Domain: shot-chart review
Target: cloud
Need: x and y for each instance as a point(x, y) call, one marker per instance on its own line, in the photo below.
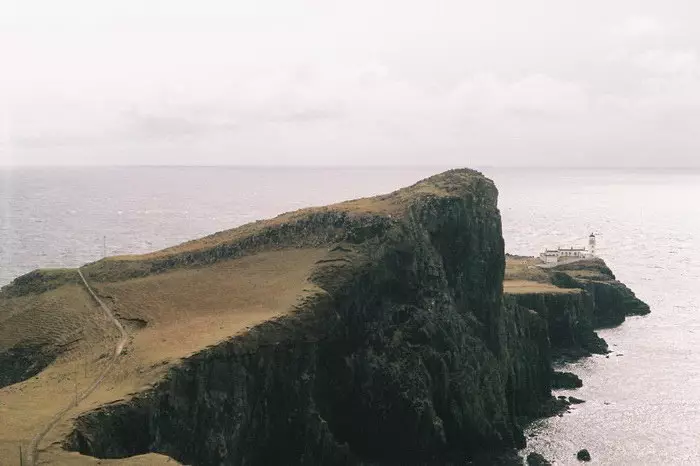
point(536, 95)
point(353, 82)
point(669, 62)
point(639, 27)
point(369, 114)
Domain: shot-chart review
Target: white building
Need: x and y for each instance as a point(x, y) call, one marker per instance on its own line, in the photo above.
point(551, 256)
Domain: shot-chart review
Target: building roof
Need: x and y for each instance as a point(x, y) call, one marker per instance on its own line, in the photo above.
point(565, 249)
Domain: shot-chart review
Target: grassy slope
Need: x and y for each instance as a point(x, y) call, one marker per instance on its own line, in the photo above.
point(524, 276)
point(169, 315)
point(184, 311)
point(388, 204)
point(527, 286)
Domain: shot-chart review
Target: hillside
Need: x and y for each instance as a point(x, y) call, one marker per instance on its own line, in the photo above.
point(370, 331)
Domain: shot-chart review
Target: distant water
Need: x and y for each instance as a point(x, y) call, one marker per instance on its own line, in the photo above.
point(643, 407)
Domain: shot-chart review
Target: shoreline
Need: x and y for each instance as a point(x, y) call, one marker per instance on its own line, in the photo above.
point(408, 280)
point(587, 278)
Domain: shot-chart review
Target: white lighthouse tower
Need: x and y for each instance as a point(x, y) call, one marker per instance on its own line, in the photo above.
point(591, 245)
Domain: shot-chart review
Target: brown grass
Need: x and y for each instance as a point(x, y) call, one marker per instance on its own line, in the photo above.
point(527, 286)
point(63, 318)
point(394, 203)
point(525, 268)
point(185, 310)
point(188, 309)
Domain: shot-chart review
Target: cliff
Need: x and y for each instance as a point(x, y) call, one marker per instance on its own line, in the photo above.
point(575, 298)
point(569, 317)
point(406, 353)
point(373, 331)
point(613, 300)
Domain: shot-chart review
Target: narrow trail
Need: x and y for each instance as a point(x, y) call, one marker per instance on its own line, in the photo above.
point(33, 453)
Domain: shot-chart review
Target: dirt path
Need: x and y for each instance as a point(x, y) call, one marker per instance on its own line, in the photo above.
point(33, 453)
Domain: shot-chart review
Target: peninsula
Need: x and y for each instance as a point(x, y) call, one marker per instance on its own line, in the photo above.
point(384, 330)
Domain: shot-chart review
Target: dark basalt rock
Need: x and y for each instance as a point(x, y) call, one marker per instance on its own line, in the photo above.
point(535, 459)
point(570, 320)
point(583, 455)
point(39, 281)
point(22, 362)
point(565, 380)
point(612, 300)
point(576, 401)
point(410, 355)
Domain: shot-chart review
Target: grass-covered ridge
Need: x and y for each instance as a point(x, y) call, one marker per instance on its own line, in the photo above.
point(180, 300)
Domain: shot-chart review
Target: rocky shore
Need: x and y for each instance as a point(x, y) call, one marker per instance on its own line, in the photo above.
point(575, 298)
point(420, 341)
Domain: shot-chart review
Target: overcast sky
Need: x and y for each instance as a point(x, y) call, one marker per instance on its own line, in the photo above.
point(464, 82)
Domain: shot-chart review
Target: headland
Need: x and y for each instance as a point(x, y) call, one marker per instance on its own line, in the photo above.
point(385, 330)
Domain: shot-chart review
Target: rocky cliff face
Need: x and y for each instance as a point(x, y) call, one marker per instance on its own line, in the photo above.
point(21, 362)
point(586, 296)
point(570, 321)
point(612, 300)
point(34, 324)
point(410, 354)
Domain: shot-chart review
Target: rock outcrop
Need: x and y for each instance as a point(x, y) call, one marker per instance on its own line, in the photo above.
point(583, 455)
point(406, 351)
point(612, 300)
point(565, 380)
point(21, 362)
point(535, 459)
point(409, 354)
point(575, 298)
point(570, 320)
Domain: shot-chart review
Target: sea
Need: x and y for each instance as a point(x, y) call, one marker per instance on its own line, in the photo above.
point(642, 402)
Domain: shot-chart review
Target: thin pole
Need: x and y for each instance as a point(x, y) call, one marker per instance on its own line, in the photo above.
point(104, 246)
point(21, 457)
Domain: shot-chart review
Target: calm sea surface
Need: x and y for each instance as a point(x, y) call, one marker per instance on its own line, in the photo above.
point(643, 403)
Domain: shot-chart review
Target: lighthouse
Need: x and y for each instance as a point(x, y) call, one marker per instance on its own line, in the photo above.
point(591, 245)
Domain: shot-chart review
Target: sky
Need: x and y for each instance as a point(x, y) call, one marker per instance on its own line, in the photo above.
point(380, 82)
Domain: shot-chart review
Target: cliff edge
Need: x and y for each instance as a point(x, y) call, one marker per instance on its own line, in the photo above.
point(373, 331)
point(575, 298)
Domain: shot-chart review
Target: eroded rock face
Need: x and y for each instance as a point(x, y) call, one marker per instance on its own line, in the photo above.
point(612, 300)
point(595, 299)
point(411, 356)
point(565, 380)
point(535, 459)
point(570, 319)
point(23, 361)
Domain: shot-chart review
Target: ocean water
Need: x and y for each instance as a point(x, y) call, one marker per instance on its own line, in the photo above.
point(642, 403)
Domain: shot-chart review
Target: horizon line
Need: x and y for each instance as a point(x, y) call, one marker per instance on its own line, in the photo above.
point(343, 166)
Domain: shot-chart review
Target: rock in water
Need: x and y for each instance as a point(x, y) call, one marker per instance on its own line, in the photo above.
point(583, 455)
point(576, 401)
point(565, 380)
point(535, 459)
